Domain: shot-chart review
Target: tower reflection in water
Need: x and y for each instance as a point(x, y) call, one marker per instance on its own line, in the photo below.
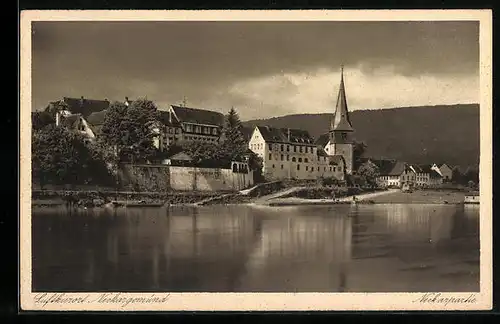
point(240, 248)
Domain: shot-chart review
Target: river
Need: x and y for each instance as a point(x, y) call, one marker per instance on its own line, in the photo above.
point(239, 248)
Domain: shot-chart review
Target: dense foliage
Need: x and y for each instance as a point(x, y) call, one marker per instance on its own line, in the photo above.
point(131, 130)
point(60, 156)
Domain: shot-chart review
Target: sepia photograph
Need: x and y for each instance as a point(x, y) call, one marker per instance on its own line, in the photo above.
point(230, 160)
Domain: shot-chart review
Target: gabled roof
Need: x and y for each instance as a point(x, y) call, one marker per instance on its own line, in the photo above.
point(166, 120)
point(198, 116)
point(285, 135)
point(434, 174)
point(70, 121)
point(323, 139)
point(96, 118)
point(84, 106)
point(321, 152)
point(422, 168)
point(247, 132)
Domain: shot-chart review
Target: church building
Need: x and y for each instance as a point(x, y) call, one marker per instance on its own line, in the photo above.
point(292, 153)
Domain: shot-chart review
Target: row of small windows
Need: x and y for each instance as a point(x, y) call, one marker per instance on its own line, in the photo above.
point(203, 139)
point(282, 148)
point(201, 129)
point(389, 177)
point(300, 149)
point(294, 159)
point(173, 130)
point(334, 169)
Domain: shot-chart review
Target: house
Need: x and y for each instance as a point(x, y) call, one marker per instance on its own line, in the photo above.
point(195, 124)
point(171, 130)
point(444, 170)
point(390, 172)
point(95, 121)
point(77, 123)
point(292, 154)
point(75, 106)
point(426, 175)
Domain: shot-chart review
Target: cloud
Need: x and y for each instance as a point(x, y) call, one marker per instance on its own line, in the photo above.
point(316, 92)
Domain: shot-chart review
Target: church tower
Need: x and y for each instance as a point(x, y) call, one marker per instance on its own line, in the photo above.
point(341, 130)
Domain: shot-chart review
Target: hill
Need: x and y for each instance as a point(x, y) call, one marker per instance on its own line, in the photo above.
point(424, 134)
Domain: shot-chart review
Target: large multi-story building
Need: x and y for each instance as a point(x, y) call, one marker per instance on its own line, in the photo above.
point(293, 153)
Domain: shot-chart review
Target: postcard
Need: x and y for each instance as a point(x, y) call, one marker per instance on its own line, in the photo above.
point(256, 160)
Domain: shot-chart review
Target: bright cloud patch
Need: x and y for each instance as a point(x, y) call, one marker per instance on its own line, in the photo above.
point(316, 92)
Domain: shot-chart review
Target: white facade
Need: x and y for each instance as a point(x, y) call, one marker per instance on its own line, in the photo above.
point(389, 180)
point(292, 160)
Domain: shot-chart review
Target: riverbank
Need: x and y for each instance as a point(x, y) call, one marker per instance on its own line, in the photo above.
point(392, 196)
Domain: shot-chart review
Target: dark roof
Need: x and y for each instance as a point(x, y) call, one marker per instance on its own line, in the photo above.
point(96, 118)
point(384, 166)
point(247, 132)
point(434, 174)
point(323, 139)
point(198, 116)
point(336, 159)
point(286, 135)
point(165, 119)
point(321, 152)
point(85, 106)
point(70, 121)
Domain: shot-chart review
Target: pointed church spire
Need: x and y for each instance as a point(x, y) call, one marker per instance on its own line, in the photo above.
point(341, 121)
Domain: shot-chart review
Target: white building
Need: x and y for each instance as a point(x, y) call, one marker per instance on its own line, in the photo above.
point(292, 154)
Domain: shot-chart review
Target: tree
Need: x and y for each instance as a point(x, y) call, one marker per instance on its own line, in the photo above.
point(456, 175)
point(368, 172)
point(233, 145)
point(359, 148)
point(60, 156)
point(40, 119)
point(131, 130)
point(471, 175)
point(204, 153)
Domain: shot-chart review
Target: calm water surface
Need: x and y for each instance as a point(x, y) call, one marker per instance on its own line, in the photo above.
point(366, 248)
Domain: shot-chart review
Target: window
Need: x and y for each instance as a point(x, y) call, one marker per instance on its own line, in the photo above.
point(282, 167)
point(197, 129)
point(177, 130)
point(306, 160)
point(214, 131)
point(300, 159)
point(330, 168)
point(288, 157)
point(334, 169)
point(270, 156)
point(300, 149)
point(318, 169)
point(188, 128)
point(170, 130)
point(294, 148)
point(282, 147)
point(293, 159)
point(325, 169)
point(307, 168)
point(273, 166)
point(298, 166)
point(282, 158)
point(270, 147)
point(288, 148)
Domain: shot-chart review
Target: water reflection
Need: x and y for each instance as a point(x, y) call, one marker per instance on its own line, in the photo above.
point(242, 248)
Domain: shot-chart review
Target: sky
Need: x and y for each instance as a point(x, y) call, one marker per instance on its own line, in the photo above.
point(262, 69)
